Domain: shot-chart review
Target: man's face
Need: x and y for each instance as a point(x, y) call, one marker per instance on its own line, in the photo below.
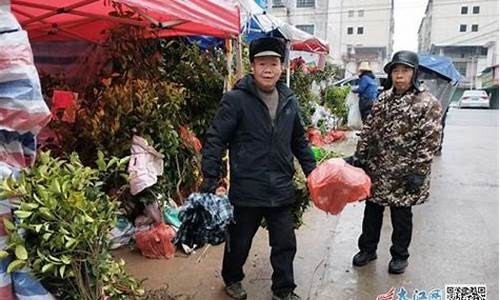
point(401, 76)
point(267, 70)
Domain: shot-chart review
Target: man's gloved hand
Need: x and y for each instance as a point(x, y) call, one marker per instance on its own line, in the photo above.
point(209, 185)
point(354, 161)
point(349, 160)
point(414, 182)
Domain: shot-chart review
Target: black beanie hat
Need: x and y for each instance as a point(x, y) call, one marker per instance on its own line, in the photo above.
point(267, 46)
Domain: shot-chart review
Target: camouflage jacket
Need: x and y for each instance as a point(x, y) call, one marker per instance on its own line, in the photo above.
point(399, 139)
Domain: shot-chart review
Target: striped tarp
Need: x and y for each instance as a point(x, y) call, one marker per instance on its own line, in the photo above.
point(23, 112)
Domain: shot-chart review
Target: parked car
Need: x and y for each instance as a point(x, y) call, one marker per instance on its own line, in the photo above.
point(474, 98)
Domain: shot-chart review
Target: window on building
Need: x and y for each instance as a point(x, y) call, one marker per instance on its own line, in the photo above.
point(350, 13)
point(350, 30)
point(461, 67)
point(361, 30)
point(475, 28)
point(361, 13)
point(306, 3)
point(278, 3)
point(465, 9)
point(475, 10)
point(463, 28)
point(309, 28)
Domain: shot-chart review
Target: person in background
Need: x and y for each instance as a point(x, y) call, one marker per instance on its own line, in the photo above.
point(396, 149)
point(259, 122)
point(367, 89)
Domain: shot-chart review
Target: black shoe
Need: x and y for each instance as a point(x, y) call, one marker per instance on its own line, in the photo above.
point(286, 296)
point(397, 266)
point(363, 257)
point(236, 291)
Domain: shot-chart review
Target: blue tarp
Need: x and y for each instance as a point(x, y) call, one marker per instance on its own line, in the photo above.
point(441, 65)
point(252, 30)
point(205, 42)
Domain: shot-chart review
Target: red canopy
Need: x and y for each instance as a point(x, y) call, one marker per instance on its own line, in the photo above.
point(90, 19)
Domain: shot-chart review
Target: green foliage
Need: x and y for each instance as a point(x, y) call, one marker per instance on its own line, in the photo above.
point(334, 99)
point(201, 73)
point(136, 107)
point(130, 55)
point(302, 85)
point(329, 74)
point(66, 218)
point(149, 88)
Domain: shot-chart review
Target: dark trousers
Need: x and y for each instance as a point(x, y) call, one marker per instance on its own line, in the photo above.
point(365, 107)
point(401, 218)
point(281, 239)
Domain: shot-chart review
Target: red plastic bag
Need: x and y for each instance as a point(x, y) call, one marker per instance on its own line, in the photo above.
point(335, 183)
point(66, 101)
point(314, 136)
point(156, 242)
point(333, 136)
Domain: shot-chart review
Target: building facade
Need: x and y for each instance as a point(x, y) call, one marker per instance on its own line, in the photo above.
point(466, 31)
point(356, 30)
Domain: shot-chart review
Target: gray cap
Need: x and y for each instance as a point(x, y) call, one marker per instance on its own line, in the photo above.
point(267, 53)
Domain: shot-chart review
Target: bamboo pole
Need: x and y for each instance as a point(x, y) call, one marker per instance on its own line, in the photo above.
point(239, 59)
point(229, 80)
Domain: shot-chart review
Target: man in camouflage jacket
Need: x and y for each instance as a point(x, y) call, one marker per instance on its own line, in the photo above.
point(396, 149)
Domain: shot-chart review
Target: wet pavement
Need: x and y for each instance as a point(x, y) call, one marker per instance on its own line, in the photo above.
point(198, 276)
point(455, 238)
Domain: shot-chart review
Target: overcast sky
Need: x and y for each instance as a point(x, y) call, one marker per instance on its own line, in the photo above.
point(407, 17)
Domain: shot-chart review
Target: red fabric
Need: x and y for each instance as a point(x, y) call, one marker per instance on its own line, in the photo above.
point(16, 159)
point(15, 54)
point(22, 121)
point(6, 292)
point(156, 242)
point(335, 183)
point(311, 45)
point(93, 20)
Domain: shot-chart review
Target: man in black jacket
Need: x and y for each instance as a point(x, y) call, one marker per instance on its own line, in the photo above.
point(259, 122)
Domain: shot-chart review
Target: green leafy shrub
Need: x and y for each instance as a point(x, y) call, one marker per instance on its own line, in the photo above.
point(65, 217)
point(335, 99)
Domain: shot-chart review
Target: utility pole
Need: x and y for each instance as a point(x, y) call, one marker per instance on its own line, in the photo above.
point(341, 33)
point(473, 73)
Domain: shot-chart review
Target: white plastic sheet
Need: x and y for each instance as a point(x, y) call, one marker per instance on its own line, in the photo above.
point(145, 165)
point(323, 114)
point(354, 117)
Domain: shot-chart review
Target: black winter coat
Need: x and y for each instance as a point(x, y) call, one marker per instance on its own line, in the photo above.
point(261, 151)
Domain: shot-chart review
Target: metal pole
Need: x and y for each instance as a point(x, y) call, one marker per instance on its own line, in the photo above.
point(287, 61)
point(341, 33)
point(473, 72)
